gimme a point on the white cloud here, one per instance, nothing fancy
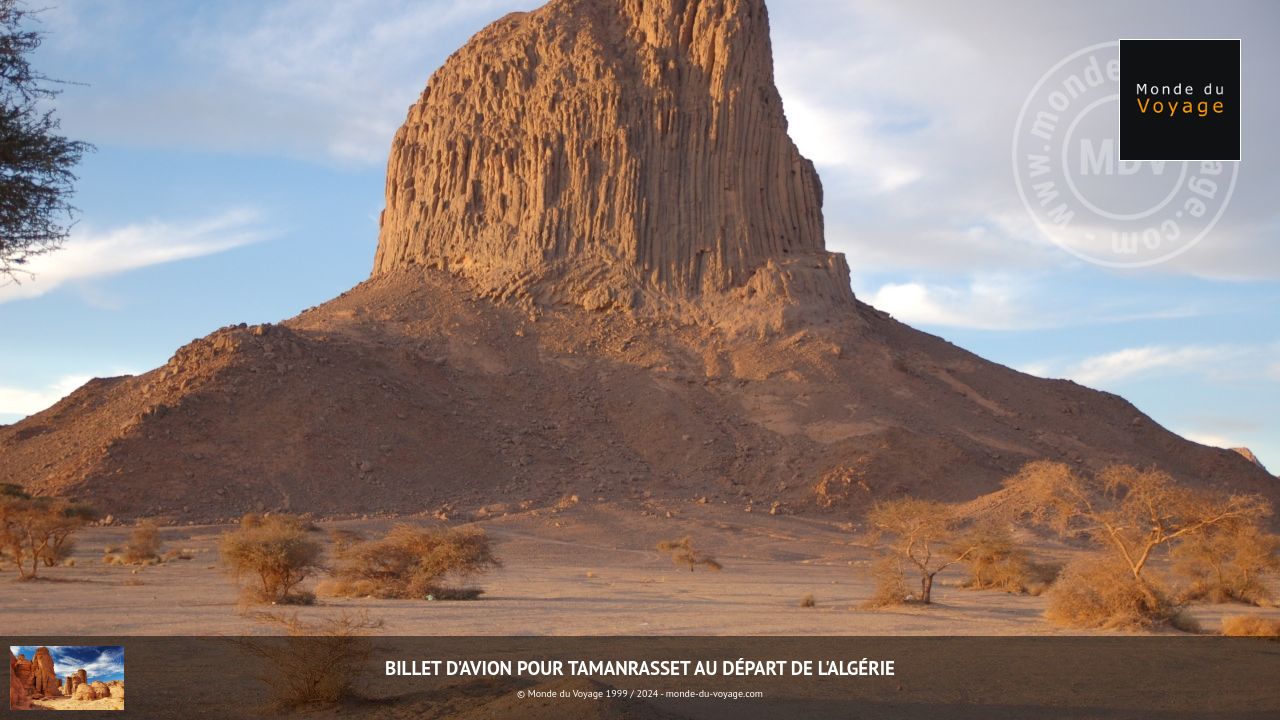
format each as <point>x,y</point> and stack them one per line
<point>984,304</point>
<point>1003,302</point>
<point>908,109</point>
<point>89,253</point>
<point>21,402</point>
<point>108,663</point>
<point>321,81</point>
<point>1212,440</point>
<point>1213,361</point>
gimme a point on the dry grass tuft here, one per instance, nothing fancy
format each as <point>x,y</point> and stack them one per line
<point>343,539</point>
<point>413,563</point>
<point>1250,626</point>
<point>890,584</point>
<point>143,546</point>
<point>683,552</point>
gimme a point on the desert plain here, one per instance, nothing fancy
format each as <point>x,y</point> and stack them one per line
<point>571,569</point>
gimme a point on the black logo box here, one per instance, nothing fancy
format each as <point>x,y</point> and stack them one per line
<point>1185,64</point>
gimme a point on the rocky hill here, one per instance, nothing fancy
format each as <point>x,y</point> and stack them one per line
<point>601,272</point>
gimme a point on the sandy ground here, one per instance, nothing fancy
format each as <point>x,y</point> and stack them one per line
<point>586,570</point>
<point>69,704</point>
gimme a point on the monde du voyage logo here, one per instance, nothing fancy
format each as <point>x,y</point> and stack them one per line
<point>1125,152</point>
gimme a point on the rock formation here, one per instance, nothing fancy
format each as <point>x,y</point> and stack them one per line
<point>44,679</point>
<point>19,698</point>
<point>22,669</point>
<point>613,153</point>
<point>601,271</point>
<point>73,681</point>
<point>1247,454</point>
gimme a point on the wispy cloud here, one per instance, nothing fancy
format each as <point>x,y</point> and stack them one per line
<point>1214,362</point>
<point>1130,362</point>
<point>20,402</point>
<point>102,663</point>
<point>326,82</point>
<point>90,253</point>
<point>1213,440</point>
<point>1003,302</point>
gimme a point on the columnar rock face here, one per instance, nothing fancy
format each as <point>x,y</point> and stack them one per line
<point>19,699</point>
<point>44,679</point>
<point>612,153</point>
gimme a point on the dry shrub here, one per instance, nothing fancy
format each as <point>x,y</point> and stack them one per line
<point>890,584</point>
<point>995,562</point>
<point>1250,626</point>
<point>343,539</point>
<point>683,552</point>
<point>1098,592</point>
<point>143,545</point>
<point>275,554</point>
<point>319,664</point>
<point>808,601</point>
<point>1230,564</point>
<point>412,562</point>
<point>37,531</point>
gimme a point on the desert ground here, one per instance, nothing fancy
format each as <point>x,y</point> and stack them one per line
<point>66,703</point>
<point>585,568</point>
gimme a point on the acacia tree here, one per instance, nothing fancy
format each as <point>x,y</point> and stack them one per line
<point>1131,511</point>
<point>36,178</point>
<point>1229,563</point>
<point>922,534</point>
<point>36,530</point>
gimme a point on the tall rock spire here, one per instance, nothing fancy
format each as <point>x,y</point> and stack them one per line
<point>612,153</point>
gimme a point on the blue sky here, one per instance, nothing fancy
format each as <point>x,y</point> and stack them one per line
<point>100,662</point>
<point>242,145</point>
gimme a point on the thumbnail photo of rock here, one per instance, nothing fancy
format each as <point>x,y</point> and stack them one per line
<point>66,677</point>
